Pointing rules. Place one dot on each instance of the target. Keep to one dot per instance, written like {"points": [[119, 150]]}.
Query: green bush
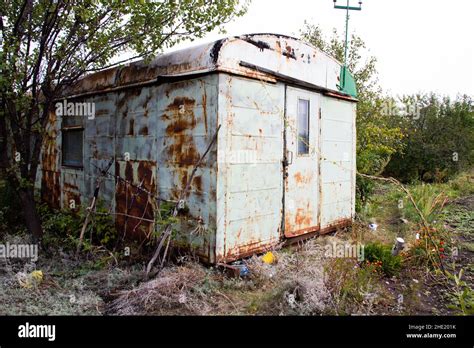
{"points": [[437, 144], [103, 228], [364, 189], [463, 184], [376, 253], [62, 228]]}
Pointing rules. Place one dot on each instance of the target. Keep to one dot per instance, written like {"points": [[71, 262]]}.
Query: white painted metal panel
{"points": [[249, 182], [338, 161], [302, 177]]}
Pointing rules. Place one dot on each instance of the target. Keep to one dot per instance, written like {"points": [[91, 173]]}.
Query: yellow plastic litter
{"points": [[268, 258], [30, 280], [37, 276]]}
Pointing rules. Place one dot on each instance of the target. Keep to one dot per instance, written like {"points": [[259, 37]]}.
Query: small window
{"points": [[72, 140], [303, 127], [72, 147]]}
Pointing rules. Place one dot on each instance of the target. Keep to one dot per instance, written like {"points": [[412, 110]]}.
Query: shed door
{"points": [[301, 198]]}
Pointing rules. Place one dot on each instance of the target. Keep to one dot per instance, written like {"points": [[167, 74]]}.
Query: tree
{"points": [[439, 139], [46, 46], [378, 136]]}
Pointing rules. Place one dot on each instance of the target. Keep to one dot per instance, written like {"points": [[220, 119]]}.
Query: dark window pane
{"points": [[303, 127], [72, 147]]}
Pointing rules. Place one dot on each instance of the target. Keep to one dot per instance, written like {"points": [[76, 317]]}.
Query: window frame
{"points": [[64, 131], [304, 154]]}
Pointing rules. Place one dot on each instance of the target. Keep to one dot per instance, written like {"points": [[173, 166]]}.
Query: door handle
{"points": [[289, 157]]}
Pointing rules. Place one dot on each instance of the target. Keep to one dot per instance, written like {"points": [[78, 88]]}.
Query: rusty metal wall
{"points": [[249, 182], [156, 134], [99, 147], [186, 123], [136, 160]]}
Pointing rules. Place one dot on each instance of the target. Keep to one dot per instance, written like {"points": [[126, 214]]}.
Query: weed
{"points": [[62, 228], [429, 200], [462, 184], [352, 289], [380, 256], [462, 296], [59, 227]]}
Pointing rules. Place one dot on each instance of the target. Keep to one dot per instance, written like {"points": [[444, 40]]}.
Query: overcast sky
{"points": [[420, 45]]}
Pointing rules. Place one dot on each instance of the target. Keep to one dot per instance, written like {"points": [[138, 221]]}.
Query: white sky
{"points": [[420, 45]]}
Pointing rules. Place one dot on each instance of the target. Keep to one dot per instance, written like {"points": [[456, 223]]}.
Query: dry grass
{"points": [[175, 291], [294, 284], [297, 279], [301, 281]]}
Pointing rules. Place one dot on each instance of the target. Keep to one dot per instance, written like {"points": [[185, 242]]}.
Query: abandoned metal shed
{"points": [[283, 165]]}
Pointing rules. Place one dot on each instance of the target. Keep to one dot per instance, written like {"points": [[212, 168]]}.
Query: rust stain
{"points": [[183, 151], [72, 196], [197, 183], [97, 81], [289, 53], [301, 179], [50, 192], [129, 95], [50, 181], [204, 105], [243, 251], [145, 103], [301, 218], [300, 223], [182, 174], [142, 207], [143, 131], [136, 73], [101, 112], [70, 187], [180, 146], [311, 231], [182, 115], [278, 47]]}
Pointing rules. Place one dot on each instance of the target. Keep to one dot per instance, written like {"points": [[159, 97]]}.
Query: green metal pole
{"points": [[346, 43], [345, 47]]}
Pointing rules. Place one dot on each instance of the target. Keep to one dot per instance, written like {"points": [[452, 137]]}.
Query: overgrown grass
{"points": [[62, 228], [380, 255]]}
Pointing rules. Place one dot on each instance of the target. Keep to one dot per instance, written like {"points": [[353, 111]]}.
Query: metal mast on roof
{"points": [[347, 8]]}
